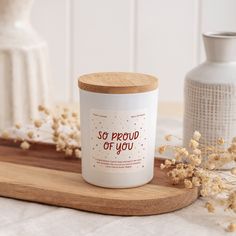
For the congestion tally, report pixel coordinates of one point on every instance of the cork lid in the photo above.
(118, 82)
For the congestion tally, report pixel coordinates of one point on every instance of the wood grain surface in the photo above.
(118, 82)
(45, 176)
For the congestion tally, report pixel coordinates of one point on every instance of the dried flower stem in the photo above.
(196, 166)
(61, 128)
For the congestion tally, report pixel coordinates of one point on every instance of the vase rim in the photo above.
(220, 34)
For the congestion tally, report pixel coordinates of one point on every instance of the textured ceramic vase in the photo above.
(210, 91)
(23, 64)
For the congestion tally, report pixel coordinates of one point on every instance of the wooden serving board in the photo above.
(45, 176)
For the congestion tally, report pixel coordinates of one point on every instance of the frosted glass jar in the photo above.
(118, 128)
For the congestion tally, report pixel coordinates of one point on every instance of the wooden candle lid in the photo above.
(118, 82)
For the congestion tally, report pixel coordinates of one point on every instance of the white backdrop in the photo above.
(160, 37)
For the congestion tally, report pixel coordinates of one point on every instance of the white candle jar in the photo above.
(118, 128)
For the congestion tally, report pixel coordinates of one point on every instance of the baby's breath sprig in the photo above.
(61, 127)
(198, 166)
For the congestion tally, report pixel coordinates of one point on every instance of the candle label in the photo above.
(118, 140)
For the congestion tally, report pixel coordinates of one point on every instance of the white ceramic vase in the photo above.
(23, 64)
(210, 91)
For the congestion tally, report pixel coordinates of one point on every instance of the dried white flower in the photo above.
(231, 227)
(193, 144)
(37, 123)
(30, 134)
(5, 135)
(18, 126)
(197, 151)
(25, 145)
(209, 207)
(196, 136)
(168, 137)
(69, 151)
(196, 181)
(162, 166)
(220, 141)
(196, 168)
(233, 171)
(188, 183)
(162, 149)
(78, 153)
